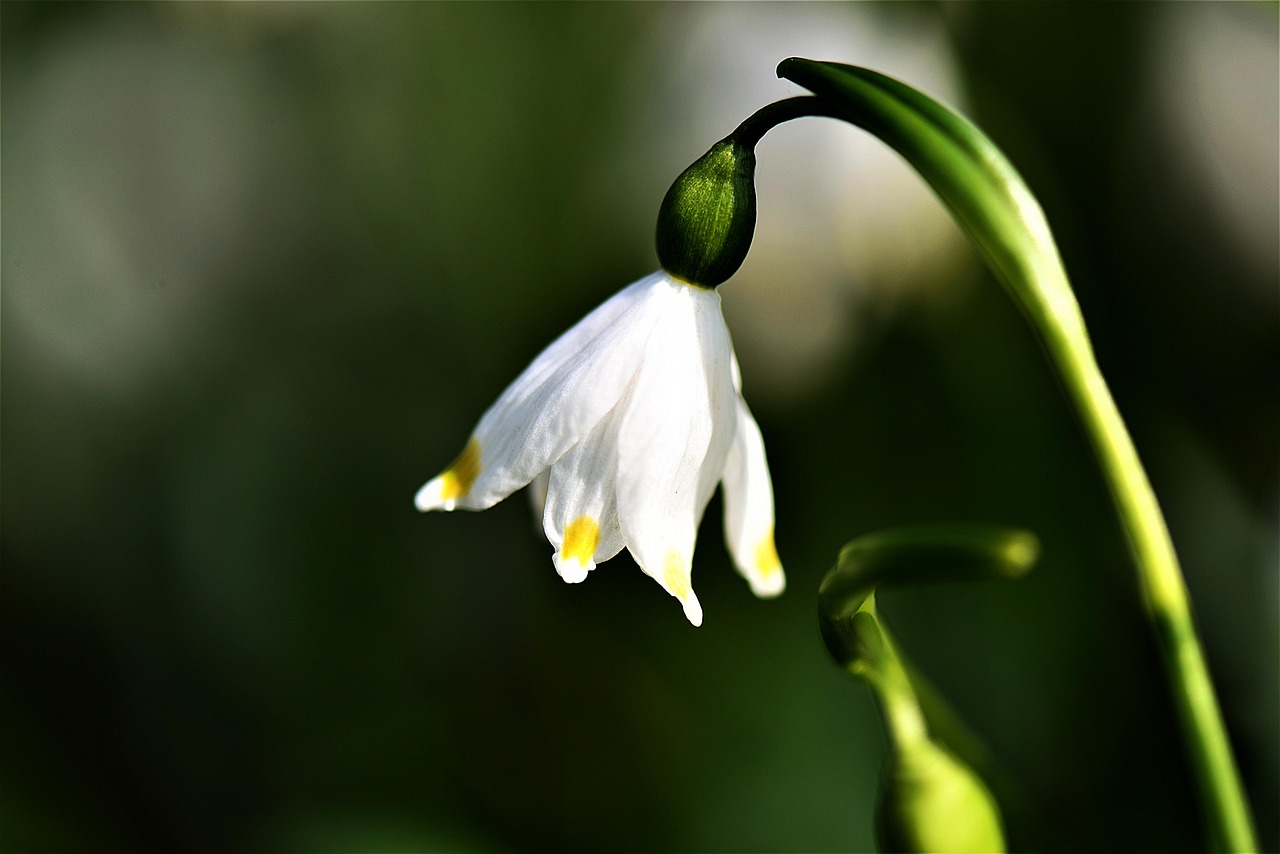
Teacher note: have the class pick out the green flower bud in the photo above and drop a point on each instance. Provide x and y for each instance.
(931, 801)
(708, 217)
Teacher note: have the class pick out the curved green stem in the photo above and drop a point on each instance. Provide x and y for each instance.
(910, 555)
(1005, 224)
(881, 665)
(1165, 594)
(933, 797)
(770, 116)
(849, 623)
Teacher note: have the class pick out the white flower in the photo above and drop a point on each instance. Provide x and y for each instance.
(631, 418)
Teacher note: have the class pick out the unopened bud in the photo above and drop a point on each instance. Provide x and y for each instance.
(708, 217)
(931, 801)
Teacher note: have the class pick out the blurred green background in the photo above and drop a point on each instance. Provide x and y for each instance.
(265, 265)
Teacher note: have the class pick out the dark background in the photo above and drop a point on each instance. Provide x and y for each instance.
(265, 265)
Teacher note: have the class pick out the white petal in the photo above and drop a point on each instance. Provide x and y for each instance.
(677, 423)
(556, 401)
(748, 509)
(581, 515)
(737, 371)
(537, 494)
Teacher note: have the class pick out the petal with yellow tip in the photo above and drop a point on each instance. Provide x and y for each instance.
(559, 398)
(580, 515)
(677, 581)
(445, 490)
(748, 509)
(676, 425)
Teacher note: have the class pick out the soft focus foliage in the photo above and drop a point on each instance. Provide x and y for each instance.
(263, 264)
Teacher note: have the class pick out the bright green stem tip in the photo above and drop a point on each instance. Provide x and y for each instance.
(913, 555)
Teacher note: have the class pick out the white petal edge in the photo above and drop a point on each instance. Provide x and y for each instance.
(554, 402)
(748, 509)
(537, 494)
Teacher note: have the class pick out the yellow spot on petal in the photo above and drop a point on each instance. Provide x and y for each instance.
(767, 562)
(456, 480)
(675, 572)
(581, 536)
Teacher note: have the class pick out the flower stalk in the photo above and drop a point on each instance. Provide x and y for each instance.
(1003, 221)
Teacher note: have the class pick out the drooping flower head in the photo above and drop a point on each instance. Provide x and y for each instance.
(633, 416)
